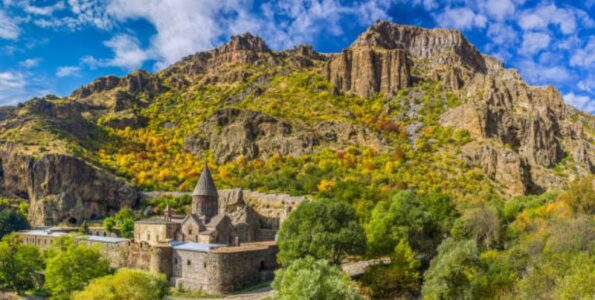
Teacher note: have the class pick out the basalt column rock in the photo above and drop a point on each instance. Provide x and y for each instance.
(365, 71)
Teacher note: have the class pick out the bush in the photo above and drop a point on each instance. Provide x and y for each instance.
(308, 278)
(72, 268)
(18, 263)
(125, 284)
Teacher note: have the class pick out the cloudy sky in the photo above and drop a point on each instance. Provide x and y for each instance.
(57, 46)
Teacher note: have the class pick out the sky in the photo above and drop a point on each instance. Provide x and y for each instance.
(54, 47)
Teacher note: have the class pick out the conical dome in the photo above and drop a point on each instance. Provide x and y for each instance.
(205, 185)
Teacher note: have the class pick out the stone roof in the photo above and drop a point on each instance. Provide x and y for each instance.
(159, 220)
(205, 185)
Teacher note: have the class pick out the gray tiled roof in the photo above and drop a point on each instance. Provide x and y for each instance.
(205, 185)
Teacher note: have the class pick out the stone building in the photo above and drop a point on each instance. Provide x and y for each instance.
(221, 246)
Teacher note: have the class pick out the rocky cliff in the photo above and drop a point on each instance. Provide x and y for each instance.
(231, 133)
(393, 88)
(60, 188)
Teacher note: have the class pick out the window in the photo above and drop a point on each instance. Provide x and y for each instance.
(189, 262)
(148, 236)
(175, 261)
(190, 231)
(204, 265)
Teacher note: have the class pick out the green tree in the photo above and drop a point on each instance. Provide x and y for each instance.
(403, 217)
(71, 269)
(323, 229)
(109, 223)
(18, 263)
(123, 214)
(127, 228)
(453, 271)
(308, 278)
(125, 284)
(400, 278)
(11, 220)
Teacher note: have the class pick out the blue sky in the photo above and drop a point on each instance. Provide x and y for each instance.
(56, 46)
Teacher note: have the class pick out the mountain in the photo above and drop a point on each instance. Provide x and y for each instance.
(402, 107)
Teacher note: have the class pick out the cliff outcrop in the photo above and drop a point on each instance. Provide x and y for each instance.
(61, 188)
(231, 133)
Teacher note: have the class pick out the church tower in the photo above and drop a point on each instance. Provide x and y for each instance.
(205, 198)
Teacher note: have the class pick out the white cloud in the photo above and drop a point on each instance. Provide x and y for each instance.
(543, 16)
(41, 10)
(582, 102)
(502, 34)
(533, 42)
(30, 63)
(587, 84)
(12, 85)
(128, 53)
(461, 18)
(500, 9)
(8, 27)
(67, 71)
(540, 73)
(584, 57)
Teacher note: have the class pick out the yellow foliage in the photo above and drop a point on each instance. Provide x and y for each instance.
(326, 185)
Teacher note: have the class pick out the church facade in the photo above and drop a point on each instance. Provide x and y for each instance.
(219, 247)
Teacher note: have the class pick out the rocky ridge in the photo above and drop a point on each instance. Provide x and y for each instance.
(521, 133)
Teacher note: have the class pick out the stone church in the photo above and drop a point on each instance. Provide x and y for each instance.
(206, 224)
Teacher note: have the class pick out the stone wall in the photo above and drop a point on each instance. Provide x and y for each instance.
(238, 267)
(190, 269)
(139, 256)
(152, 233)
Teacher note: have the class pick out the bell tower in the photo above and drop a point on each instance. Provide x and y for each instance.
(205, 198)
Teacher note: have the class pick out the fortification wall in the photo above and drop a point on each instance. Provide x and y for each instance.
(190, 269)
(138, 256)
(238, 267)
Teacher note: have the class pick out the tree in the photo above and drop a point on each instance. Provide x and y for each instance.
(11, 220)
(403, 217)
(400, 278)
(125, 284)
(580, 196)
(84, 228)
(18, 263)
(109, 223)
(481, 224)
(308, 278)
(453, 271)
(323, 229)
(71, 269)
(127, 228)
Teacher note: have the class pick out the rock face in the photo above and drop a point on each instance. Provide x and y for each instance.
(530, 121)
(134, 83)
(242, 49)
(364, 71)
(381, 60)
(61, 188)
(231, 133)
(504, 166)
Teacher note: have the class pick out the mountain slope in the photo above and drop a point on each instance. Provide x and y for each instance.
(402, 107)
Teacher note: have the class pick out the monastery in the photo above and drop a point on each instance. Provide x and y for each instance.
(211, 249)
